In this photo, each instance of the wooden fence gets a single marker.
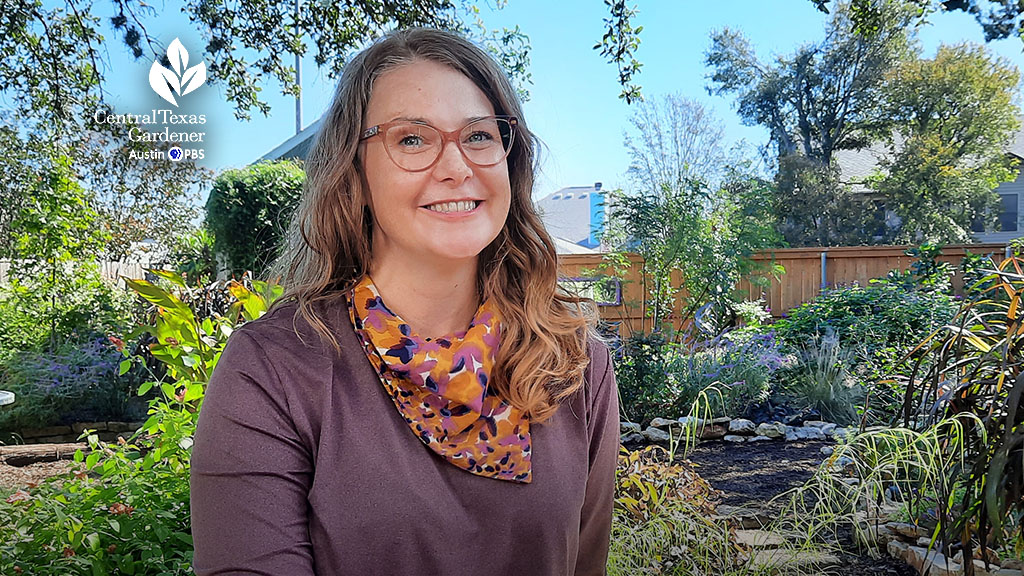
(112, 271)
(803, 280)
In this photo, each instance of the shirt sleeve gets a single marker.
(603, 429)
(250, 473)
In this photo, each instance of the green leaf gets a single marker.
(93, 541)
(170, 276)
(79, 456)
(124, 367)
(144, 388)
(92, 459)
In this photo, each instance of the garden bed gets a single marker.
(749, 475)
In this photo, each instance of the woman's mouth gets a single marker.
(453, 207)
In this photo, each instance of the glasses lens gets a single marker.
(413, 146)
(487, 141)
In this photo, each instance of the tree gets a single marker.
(674, 139)
(138, 200)
(998, 18)
(954, 115)
(824, 97)
(248, 212)
(677, 216)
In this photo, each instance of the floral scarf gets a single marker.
(439, 386)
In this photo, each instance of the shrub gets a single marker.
(641, 371)
(130, 513)
(32, 319)
(77, 382)
(740, 370)
(879, 316)
(821, 380)
(248, 212)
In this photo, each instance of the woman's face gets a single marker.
(414, 220)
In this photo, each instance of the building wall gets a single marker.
(575, 214)
(1015, 187)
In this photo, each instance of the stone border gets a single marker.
(107, 432)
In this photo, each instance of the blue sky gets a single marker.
(574, 106)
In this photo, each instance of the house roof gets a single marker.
(297, 146)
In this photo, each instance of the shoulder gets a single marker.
(284, 330)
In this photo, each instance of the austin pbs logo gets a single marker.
(179, 79)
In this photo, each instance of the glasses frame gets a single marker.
(452, 136)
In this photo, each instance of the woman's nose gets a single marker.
(452, 164)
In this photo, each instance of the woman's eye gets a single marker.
(479, 137)
(410, 141)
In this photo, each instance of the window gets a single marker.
(604, 290)
(584, 195)
(1008, 213)
(568, 195)
(556, 196)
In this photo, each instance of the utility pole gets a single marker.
(298, 76)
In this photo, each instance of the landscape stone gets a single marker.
(815, 424)
(897, 548)
(656, 435)
(758, 439)
(759, 539)
(781, 560)
(771, 430)
(79, 427)
(904, 529)
(48, 431)
(123, 426)
(808, 433)
(734, 438)
(1012, 564)
(722, 421)
(841, 433)
(634, 438)
(624, 428)
(742, 426)
(664, 423)
(713, 432)
(828, 430)
(827, 450)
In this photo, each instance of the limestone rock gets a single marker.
(634, 438)
(664, 423)
(656, 435)
(827, 450)
(722, 421)
(758, 439)
(742, 426)
(828, 430)
(771, 430)
(624, 428)
(734, 438)
(759, 539)
(903, 529)
(713, 432)
(819, 424)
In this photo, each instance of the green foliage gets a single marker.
(193, 257)
(972, 371)
(130, 513)
(819, 99)
(662, 520)
(76, 382)
(877, 316)
(821, 380)
(998, 18)
(35, 313)
(657, 378)
(954, 114)
(641, 375)
(248, 212)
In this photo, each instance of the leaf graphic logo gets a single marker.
(181, 80)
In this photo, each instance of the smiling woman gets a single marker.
(424, 399)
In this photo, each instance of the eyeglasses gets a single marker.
(417, 146)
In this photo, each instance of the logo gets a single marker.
(175, 153)
(181, 79)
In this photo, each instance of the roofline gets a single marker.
(281, 149)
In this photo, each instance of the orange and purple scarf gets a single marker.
(440, 387)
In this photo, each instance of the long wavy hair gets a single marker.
(544, 331)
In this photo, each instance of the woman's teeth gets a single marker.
(463, 206)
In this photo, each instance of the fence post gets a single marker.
(824, 269)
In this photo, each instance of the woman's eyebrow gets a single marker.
(421, 120)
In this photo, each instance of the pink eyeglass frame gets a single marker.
(453, 136)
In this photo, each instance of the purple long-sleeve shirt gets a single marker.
(302, 465)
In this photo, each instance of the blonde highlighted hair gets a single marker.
(543, 350)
